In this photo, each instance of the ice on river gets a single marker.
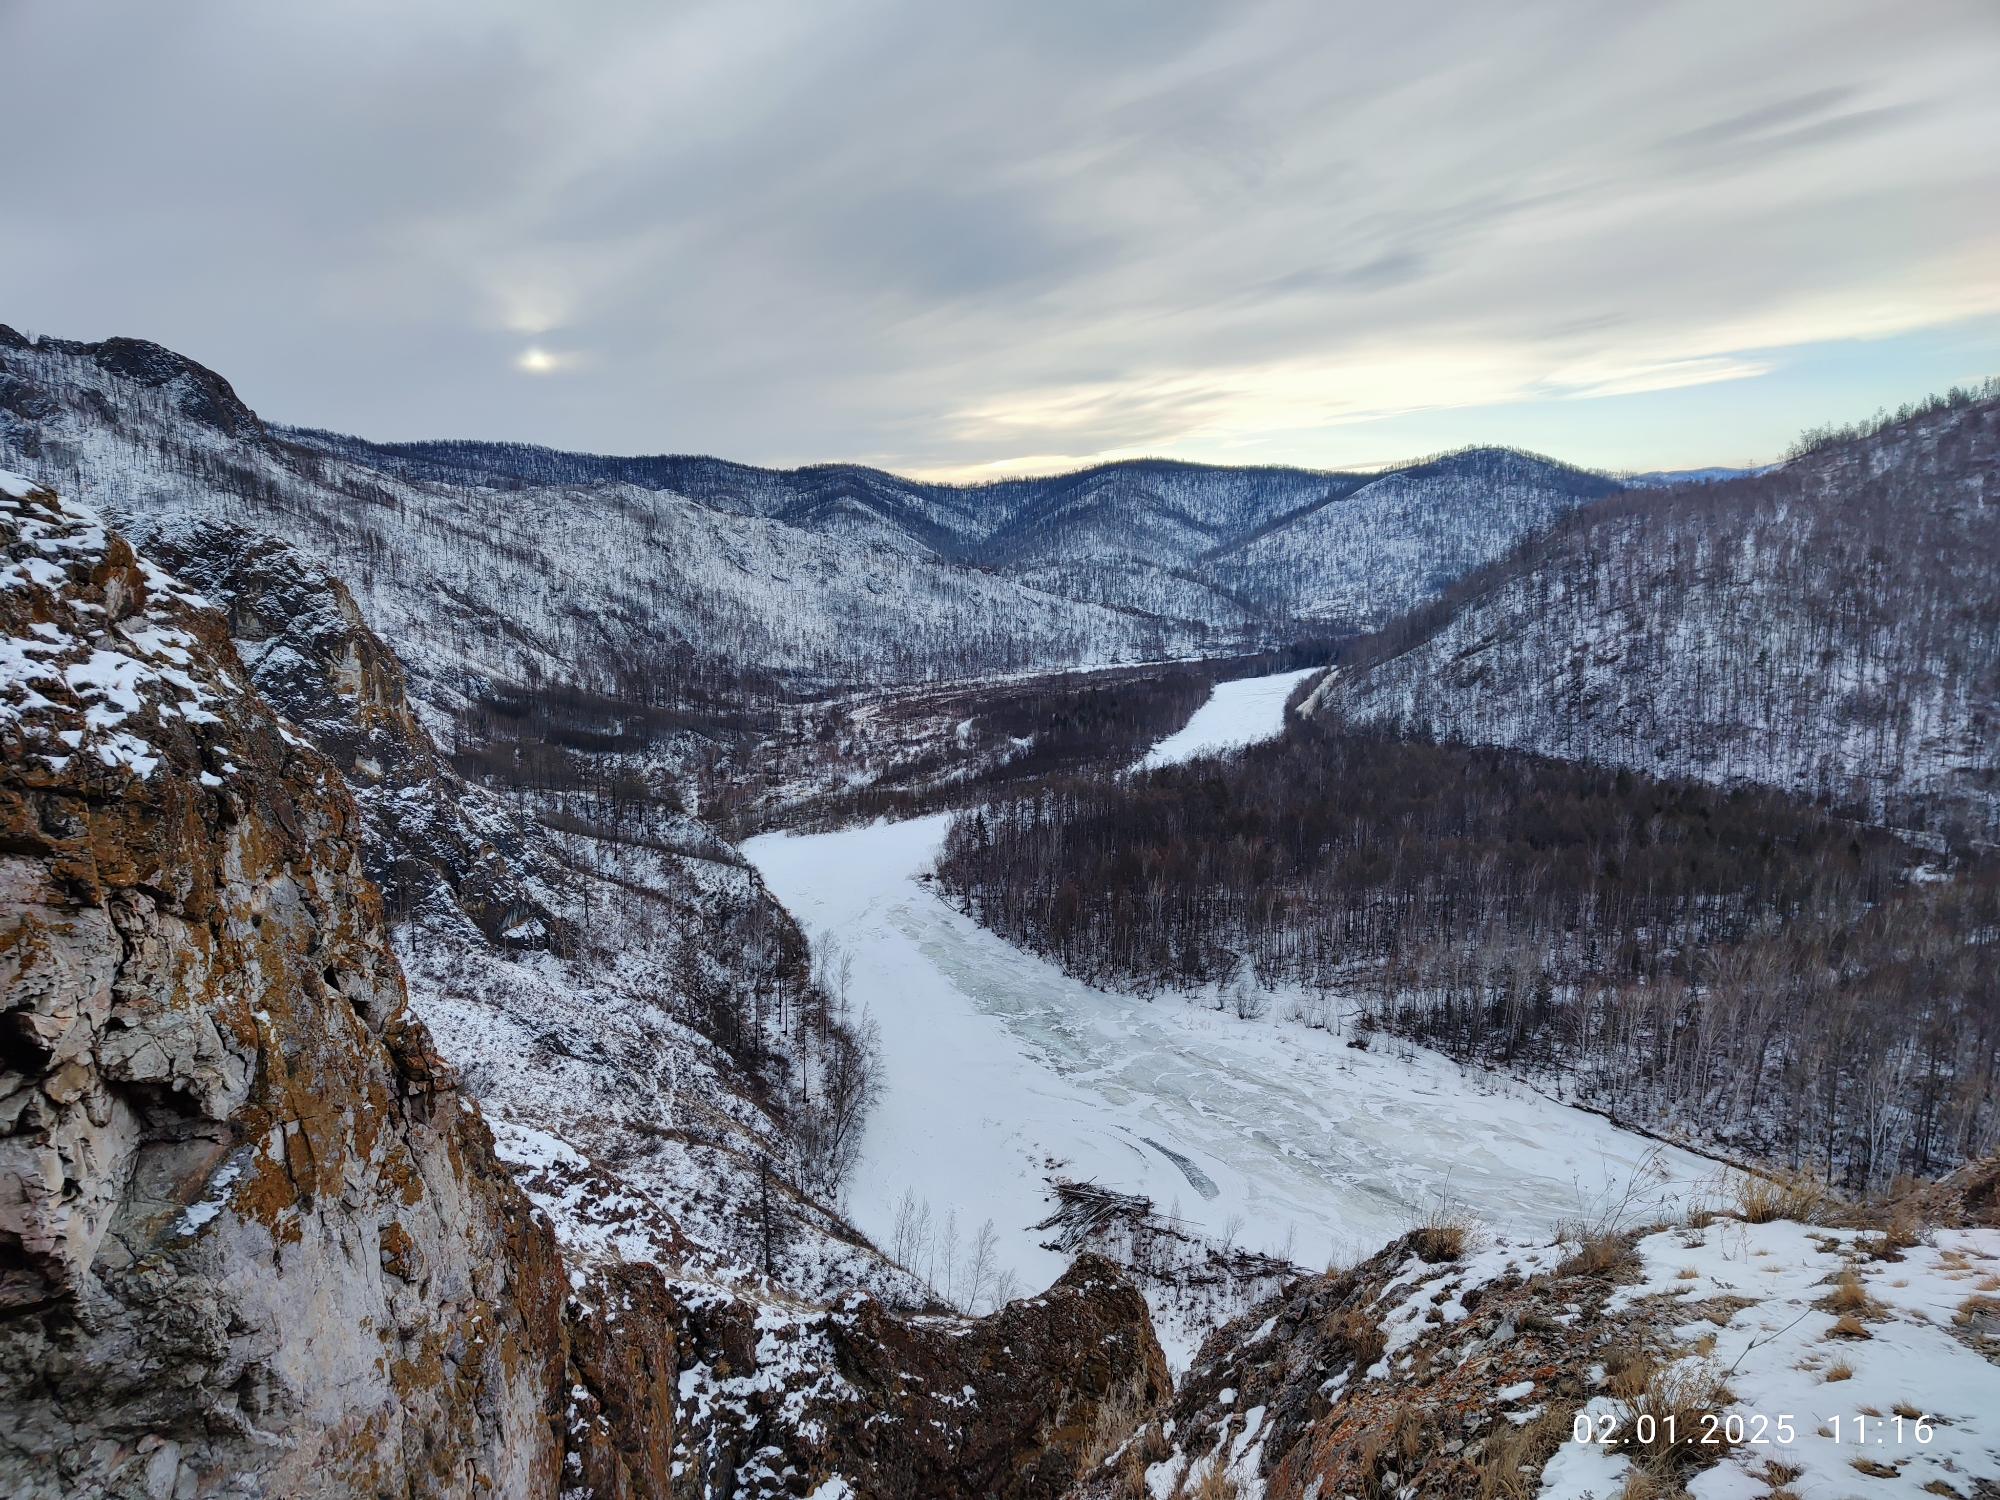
(1236, 714)
(999, 1070)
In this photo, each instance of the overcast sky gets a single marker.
(967, 238)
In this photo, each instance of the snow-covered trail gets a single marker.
(1236, 714)
(999, 1070)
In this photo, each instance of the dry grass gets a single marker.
(1839, 1370)
(1903, 1231)
(1626, 1369)
(1437, 1243)
(1395, 1443)
(1214, 1484)
(1873, 1469)
(1510, 1465)
(1761, 1198)
(1907, 1412)
(1444, 1233)
(1687, 1273)
(1719, 1310)
(1600, 1255)
(1847, 1326)
(1974, 1309)
(1362, 1336)
(1850, 1298)
(1639, 1485)
(1779, 1477)
(1678, 1397)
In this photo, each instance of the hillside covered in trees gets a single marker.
(1831, 627)
(1732, 964)
(1685, 806)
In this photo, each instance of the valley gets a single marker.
(1214, 929)
(1001, 1073)
(1000, 752)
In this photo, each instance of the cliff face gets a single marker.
(251, 1238)
(439, 848)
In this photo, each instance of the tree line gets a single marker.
(1736, 964)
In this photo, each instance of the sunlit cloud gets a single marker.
(1214, 414)
(535, 360)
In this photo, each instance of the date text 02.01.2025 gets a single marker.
(1708, 1429)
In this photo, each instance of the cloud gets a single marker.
(948, 237)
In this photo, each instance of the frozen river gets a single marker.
(1000, 1070)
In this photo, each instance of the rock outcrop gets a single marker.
(252, 1239)
(438, 847)
(798, 1402)
(1429, 1371)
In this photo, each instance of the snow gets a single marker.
(1778, 1352)
(1000, 1071)
(199, 1214)
(1238, 713)
(1586, 1471)
(15, 486)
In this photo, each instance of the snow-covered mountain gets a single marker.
(1828, 627)
(1400, 539)
(1232, 549)
(640, 594)
(655, 581)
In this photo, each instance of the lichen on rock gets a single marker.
(252, 1240)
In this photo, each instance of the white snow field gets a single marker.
(1000, 1070)
(1905, 1398)
(1237, 713)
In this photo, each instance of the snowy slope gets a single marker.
(1401, 538)
(1897, 1408)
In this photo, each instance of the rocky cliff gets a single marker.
(439, 848)
(852, 1401)
(253, 1237)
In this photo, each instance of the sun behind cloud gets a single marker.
(535, 360)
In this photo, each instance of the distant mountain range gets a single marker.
(1665, 479)
(491, 563)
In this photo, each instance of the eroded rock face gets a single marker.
(439, 848)
(779, 1402)
(252, 1240)
(1416, 1374)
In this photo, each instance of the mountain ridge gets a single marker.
(1817, 627)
